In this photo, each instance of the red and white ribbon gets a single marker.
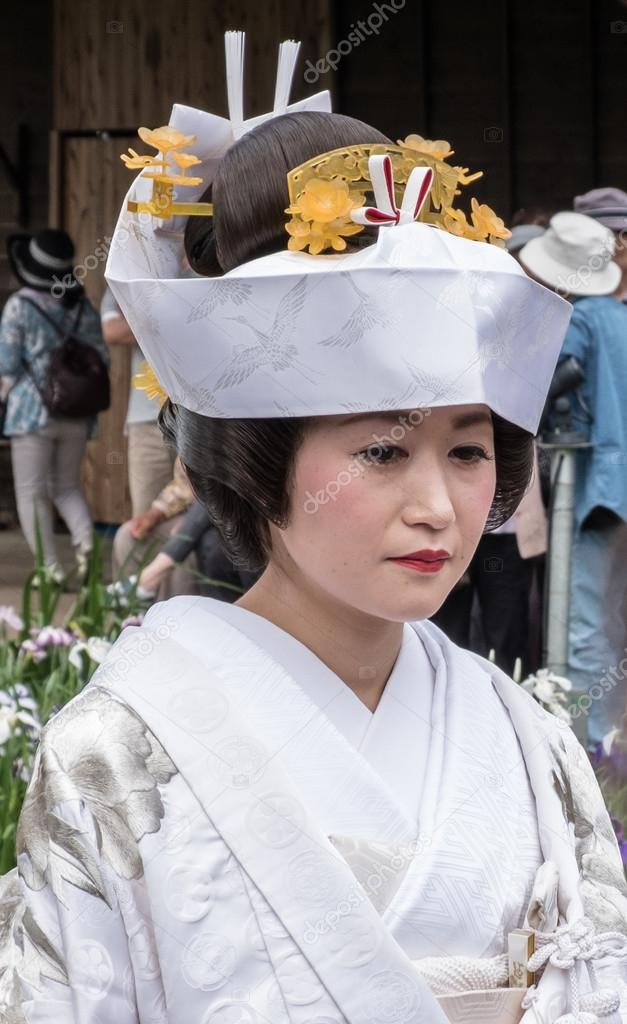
(386, 211)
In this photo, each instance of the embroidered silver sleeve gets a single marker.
(603, 885)
(97, 756)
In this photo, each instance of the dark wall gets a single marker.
(550, 76)
(25, 120)
(532, 92)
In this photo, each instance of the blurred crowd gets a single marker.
(170, 546)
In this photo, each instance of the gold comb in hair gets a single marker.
(325, 190)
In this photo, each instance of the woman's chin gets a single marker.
(411, 610)
(428, 604)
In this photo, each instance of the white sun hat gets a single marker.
(574, 255)
(422, 317)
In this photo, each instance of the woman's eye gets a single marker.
(471, 453)
(380, 455)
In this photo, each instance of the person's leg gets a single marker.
(130, 555)
(150, 465)
(597, 658)
(70, 439)
(219, 577)
(182, 541)
(536, 614)
(503, 581)
(31, 456)
(179, 546)
(616, 617)
(184, 576)
(197, 533)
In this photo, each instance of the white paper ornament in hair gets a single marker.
(386, 210)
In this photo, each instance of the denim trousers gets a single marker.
(597, 629)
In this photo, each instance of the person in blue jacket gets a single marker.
(575, 257)
(46, 450)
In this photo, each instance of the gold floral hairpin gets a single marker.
(146, 380)
(167, 141)
(328, 192)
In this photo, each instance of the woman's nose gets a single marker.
(427, 497)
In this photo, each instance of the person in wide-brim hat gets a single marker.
(573, 256)
(47, 448)
(521, 234)
(607, 205)
(42, 259)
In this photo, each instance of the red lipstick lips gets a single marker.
(425, 560)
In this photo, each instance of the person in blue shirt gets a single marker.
(46, 450)
(575, 258)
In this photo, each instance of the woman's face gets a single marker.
(370, 488)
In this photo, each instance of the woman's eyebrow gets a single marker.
(464, 419)
(470, 419)
(371, 416)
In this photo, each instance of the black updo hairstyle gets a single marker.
(241, 469)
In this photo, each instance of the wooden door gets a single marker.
(90, 185)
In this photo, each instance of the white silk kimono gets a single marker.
(217, 831)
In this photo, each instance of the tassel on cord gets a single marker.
(288, 52)
(234, 52)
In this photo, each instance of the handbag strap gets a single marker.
(63, 334)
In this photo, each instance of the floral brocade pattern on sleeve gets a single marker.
(602, 880)
(97, 751)
(94, 793)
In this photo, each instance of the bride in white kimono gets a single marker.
(311, 806)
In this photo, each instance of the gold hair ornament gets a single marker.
(168, 141)
(146, 380)
(326, 191)
(327, 196)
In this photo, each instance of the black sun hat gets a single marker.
(42, 259)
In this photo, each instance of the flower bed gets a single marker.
(43, 666)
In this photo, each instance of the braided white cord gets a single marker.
(603, 1002)
(563, 948)
(573, 943)
(574, 989)
(451, 974)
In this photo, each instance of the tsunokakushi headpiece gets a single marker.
(428, 315)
